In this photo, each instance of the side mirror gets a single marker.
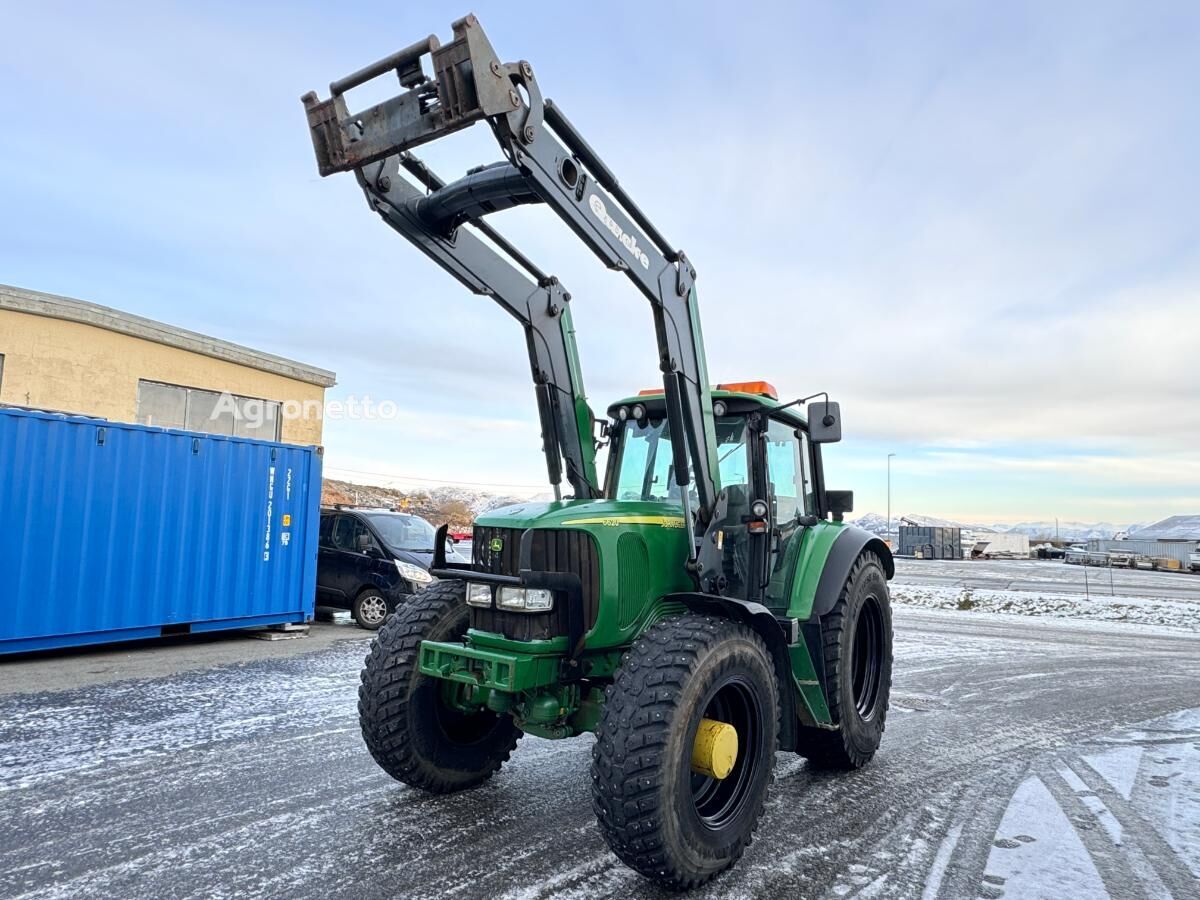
(824, 422)
(840, 503)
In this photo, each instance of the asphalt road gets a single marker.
(1022, 758)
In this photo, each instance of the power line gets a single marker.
(444, 481)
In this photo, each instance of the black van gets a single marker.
(371, 559)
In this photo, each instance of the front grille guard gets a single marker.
(568, 585)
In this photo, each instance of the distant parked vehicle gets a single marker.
(1194, 560)
(370, 560)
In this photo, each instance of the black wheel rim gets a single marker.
(866, 659)
(459, 727)
(719, 801)
(456, 726)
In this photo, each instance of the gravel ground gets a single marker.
(1050, 761)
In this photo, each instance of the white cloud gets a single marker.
(975, 227)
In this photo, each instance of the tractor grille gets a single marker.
(552, 551)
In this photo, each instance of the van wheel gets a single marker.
(370, 609)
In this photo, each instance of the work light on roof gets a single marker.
(761, 388)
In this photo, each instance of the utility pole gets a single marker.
(889, 492)
(1056, 540)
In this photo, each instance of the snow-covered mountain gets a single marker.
(1067, 531)
(877, 524)
(455, 504)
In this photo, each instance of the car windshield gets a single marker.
(401, 532)
(647, 470)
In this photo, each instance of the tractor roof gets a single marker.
(741, 393)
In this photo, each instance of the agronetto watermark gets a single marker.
(255, 413)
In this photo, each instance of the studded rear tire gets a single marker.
(856, 641)
(408, 728)
(659, 817)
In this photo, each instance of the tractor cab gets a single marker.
(769, 476)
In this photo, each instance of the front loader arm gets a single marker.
(548, 161)
(540, 305)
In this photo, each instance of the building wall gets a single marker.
(61, 365)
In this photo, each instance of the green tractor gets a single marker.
(698, 606)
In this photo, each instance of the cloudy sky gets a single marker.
(976, 225)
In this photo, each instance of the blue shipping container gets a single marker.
(110, 532)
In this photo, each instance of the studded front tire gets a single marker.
(660, 817)
(414, 735)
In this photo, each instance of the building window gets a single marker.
(1, 371)
(194, 409)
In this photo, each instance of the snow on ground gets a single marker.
(1132, 610)
(1025, 587)
(1124, 811)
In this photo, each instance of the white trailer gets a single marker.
(1002, 545)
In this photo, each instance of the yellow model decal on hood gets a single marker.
(613, 521)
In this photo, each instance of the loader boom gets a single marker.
(546, 161)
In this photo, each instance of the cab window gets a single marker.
(647, 470)
(787, 472)
(791, 497)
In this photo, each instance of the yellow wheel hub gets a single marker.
(716, 748)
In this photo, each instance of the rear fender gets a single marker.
(823, 567)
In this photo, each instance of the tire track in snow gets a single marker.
(1173, 873)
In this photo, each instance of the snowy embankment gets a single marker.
(1133, 610)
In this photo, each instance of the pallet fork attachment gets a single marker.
(546, 161)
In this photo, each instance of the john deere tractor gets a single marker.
(700, 605)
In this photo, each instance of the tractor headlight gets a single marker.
(479, 594)
(526, 599)
(412, 573)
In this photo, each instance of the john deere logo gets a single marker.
(496, 545)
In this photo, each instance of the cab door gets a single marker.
(791, 497)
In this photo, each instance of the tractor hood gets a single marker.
(585, 514)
